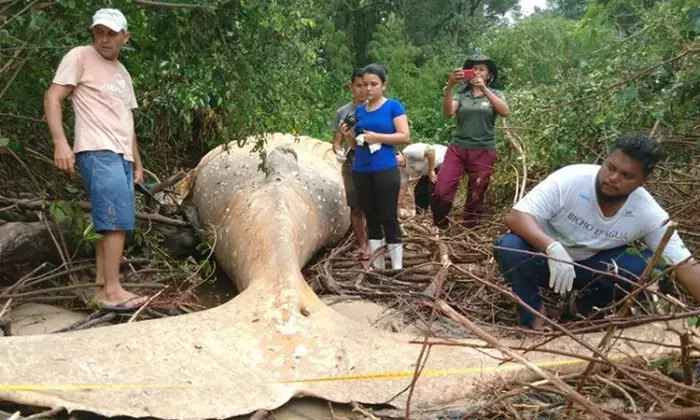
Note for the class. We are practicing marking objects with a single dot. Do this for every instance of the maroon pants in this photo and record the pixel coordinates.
(479, 166)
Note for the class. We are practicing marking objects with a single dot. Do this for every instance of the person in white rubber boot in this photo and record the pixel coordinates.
(382, 124)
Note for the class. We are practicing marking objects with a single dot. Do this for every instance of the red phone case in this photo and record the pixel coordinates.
(468, 74)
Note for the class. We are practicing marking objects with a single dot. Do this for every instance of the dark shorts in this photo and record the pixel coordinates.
(109, 181)
(350, 191)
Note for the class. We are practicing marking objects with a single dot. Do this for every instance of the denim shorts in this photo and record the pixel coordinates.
(109, 181)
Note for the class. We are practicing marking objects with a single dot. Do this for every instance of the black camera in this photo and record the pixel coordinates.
(351, 121)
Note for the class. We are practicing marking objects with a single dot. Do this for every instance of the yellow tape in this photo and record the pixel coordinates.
(360, 377)
(454, 371)
(80, 387)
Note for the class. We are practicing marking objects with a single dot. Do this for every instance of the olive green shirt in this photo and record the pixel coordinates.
(476, 119)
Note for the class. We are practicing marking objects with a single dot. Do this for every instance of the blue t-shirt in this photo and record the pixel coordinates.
(381, 120)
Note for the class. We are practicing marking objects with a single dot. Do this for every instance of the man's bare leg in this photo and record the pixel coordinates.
(112, 293)
(357, 219)
(99, 264)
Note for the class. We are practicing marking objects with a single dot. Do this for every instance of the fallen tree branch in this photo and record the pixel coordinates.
(597, 352)
(43, 204)
(676, 414)
(22, 117)
(151, 299)
(572, 394)
(626, 307)
(76, 286)
(5, 324)
(48, 414)
(425, 349)
(358, 408)
(517, 144)
(168, 182)
(93, 319)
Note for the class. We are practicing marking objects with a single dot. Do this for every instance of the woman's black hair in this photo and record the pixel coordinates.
(357, 73)
(375, 69)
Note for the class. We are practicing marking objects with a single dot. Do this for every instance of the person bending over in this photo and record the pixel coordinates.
(357, 218)
(422, 161)
(382, 124)
(473, 146)
(590, 214)
(104, 148)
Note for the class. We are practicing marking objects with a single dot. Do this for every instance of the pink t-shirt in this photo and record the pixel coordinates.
(103, 97)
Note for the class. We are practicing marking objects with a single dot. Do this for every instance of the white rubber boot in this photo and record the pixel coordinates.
(396, 254)
(375, 244)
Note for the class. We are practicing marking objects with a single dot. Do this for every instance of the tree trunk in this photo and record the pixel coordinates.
(22, 242)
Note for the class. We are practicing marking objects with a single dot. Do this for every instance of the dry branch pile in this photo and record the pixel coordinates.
(457, 265)
(475, 290)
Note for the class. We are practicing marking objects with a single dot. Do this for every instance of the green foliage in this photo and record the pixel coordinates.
(202, 76)
(572, 9)
(575, 76)
(90, 236)
(665, 365)
(12, 145)
(575, 85)
(69, 213)
(694, 322)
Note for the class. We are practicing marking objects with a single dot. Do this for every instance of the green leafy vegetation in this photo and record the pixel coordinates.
(575, 74)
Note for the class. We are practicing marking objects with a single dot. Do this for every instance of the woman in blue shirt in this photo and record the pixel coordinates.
(382, 124)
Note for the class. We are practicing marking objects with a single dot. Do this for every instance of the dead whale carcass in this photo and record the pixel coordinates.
(276, 339)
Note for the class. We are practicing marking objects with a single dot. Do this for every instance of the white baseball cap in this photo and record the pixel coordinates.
(111, 18)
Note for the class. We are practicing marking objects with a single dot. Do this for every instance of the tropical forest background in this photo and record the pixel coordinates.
(575, 74)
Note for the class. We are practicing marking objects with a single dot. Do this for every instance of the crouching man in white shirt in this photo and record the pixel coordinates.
(421, 161)
(589, 214)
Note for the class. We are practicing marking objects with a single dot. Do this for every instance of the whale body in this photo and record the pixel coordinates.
(276, 339)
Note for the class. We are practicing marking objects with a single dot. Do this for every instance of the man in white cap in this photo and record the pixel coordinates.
(104, 147)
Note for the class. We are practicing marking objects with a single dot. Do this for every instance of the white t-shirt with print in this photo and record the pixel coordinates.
(566, 207)
(417, 163)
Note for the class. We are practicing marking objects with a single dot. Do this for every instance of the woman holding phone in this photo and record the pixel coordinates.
(382, 124)
(473, 145)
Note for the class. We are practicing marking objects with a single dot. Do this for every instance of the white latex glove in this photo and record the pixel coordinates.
(374, 147)
(561, 274)
(341, 156)
(360, 139)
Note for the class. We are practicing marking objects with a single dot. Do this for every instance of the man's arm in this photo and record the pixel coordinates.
(429, 154)
(63, 157)
(138, 167)
(525, 226)
(337, 142)
(542, 203)
(688, 274)
(337, 132)
(676, 253)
